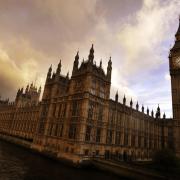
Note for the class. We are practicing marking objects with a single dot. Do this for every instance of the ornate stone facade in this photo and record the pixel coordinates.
(77, 120)
(20, 118)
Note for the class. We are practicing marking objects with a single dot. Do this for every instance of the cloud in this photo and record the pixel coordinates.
(137, 34)
(18, 67)
(142, 40)
(8, 70)
(144, 45)
(167, 77)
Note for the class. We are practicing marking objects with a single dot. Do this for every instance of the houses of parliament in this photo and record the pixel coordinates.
(76, 120)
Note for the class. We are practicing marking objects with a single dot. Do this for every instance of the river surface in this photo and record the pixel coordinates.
(17, 163)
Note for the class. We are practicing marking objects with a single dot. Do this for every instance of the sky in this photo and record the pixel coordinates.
(137, 34)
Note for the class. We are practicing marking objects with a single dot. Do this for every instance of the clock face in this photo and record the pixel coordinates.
(177, 62)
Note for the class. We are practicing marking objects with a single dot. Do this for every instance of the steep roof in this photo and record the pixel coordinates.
(178, 31)
(176, 45)
(94, 68)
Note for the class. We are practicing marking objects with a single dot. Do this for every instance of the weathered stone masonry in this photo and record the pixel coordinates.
(77, 120)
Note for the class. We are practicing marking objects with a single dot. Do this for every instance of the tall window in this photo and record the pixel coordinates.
(109, 137)
(150, 142)
(118, 136)
(93, 87)
(64, 110)
(75, 108)
(88, 133)
(74, 119)
(126, 139)
(145, 142)
(100, 115)
(139, 141)
(72, 131)
(90, 110)
(50, 128)
(78, 85)
(133, 137)
(44, 110)
(102, 90)
(98, 135)
(60, 130)
(55, 129)
(54, 109)
(59, 112)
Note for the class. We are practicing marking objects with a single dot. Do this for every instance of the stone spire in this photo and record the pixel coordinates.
(18, 93)
(178, 31)
(22, 89)
(137, 106)
(124, 100)
(91, 54)
(67, 76)
(109, 69)
(131, 103)
(31, 86)
(152, 113)
(49, 72)
(58, 70)
(39, 91)
(100, 64)
(116, 96)
(142, 108)
(158, 112)
(76, 63)
(164, 116)
(77, 57)
(147, 111)
(27, 89)
(177, 42)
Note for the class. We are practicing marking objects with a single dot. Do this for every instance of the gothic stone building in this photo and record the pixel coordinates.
(20, 118)
(76, 119)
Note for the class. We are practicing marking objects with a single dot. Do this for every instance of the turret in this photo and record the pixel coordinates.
(58, 70)
(178, 32)
(27, 89)
(21, 91)
(137, 106)
(18, 93)
(174, 52)
(116, 97)
(76, 63)
(31, 86)
(100, 65)
(67, 76)
(109, 69)
(49, 73)
(164, 116)
(39, 91)
(158, 112)
(131, 103)
(124, 100)
(147, 111)
(152, 113)
(142, 108)
(91, 54)
(53, 75)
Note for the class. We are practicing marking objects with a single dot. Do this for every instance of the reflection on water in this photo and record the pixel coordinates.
(17, 163)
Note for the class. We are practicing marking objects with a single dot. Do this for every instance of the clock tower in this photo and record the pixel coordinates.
(174, 61)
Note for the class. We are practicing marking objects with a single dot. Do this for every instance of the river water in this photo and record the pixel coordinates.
(17, 163)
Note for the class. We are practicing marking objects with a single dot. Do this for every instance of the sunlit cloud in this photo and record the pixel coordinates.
(136, 34)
